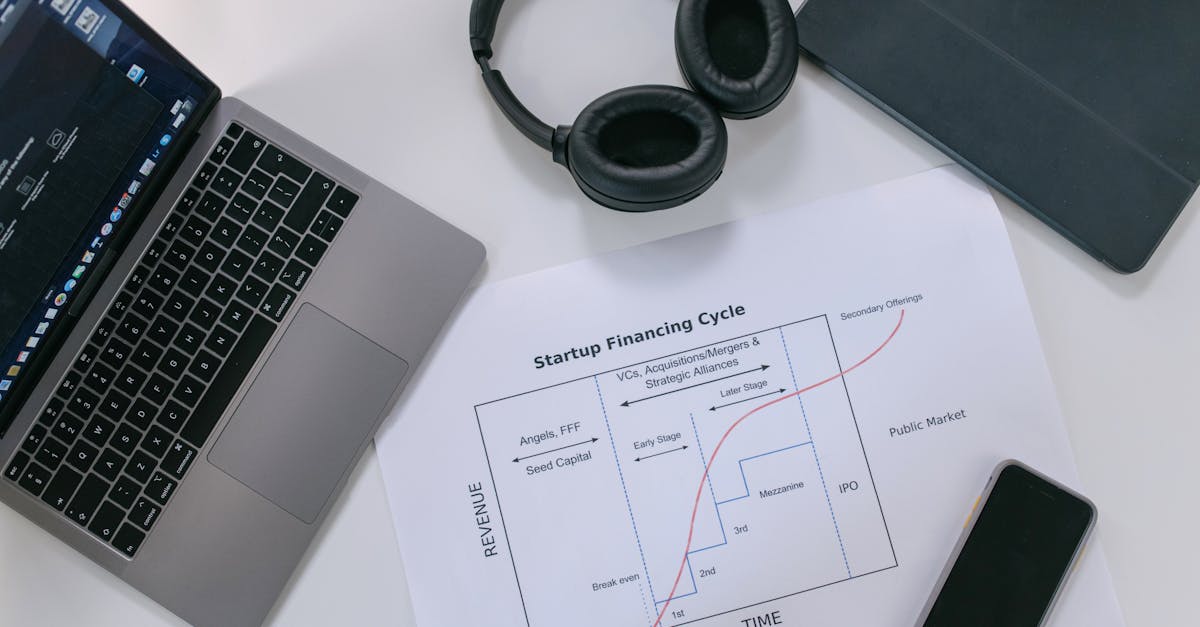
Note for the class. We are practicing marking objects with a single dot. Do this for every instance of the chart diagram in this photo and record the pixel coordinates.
(665, 487)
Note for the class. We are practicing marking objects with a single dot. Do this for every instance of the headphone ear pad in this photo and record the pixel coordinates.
(647, 148)
(741, 55)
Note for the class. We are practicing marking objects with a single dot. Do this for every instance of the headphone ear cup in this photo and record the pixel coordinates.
(741, 55)
(647, 148)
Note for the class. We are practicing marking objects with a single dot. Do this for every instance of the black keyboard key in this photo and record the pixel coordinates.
(277, 302)
(283, 192)
(137, 278)
(241, 208)
(190, 339)
(156, 442)
(173, 416)
(157, 389)
(180, 456)
(131, 380)
(132, 328)
(163, 279)
(82, 456)
(51, 454)
(294, 275)
(107, 519)
(311, 250)
(195, 231)
(170, 226)
(129, 539)
(84, 402)
(187, 202)
(332, 229)
(235, 130)
(34, 479)
(98, 430)
(245, 153)
(114, 405)
(147, 304)
(154, 252)
(189, 390)
(204, 176)
(204, 365)
(86, 355)
(120, 305)
(100, 377)
(342, 201)
(210, 257)
(194, 281)
(66, 429)
(125, 439)
(308, 205)
(16, 467)
(179, 255)
(115, 354)
(87, 499)
(268, 216)
(226, 182)
(205, 314)
(179, 305)
(61, 488)
(173, 363)
(109, 464)
(226, 232)
(226, 383)
(69, 383)
(142, 412)
(252, 291)
(103, 330)
(235, 317)
(211, 206)
(144, 513)
(283, 242)
(124, 492)
(33, 439)
(253, 240)
(222, 150)
(221, 289)
(162, 331)
(50, 413)
(267, 267)
(147, 354)
(257, 183)
(160, 488)
(237, 264)
(221, 340)
(275, 161)
(140, 466)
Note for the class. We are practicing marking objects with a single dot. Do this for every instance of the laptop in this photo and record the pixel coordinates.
(203, 317)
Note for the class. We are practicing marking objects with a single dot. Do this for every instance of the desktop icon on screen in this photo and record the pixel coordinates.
(5, 384)
(166, 139)
(115, 215)
(88, 257)
(22, 357)
(14, 371)
(124, 202)
(41, 328)
(135, 73)
(78, 272)
(71, 283)
(51, 314)
(106, 229)
(60, 300)
(134, 187)
(147, 167)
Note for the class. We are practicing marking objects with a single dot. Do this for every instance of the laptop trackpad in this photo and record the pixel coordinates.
(307, 413)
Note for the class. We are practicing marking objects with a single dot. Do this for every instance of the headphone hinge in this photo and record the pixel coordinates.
(558, 145)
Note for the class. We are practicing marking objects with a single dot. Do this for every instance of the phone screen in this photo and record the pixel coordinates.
(1016, 555)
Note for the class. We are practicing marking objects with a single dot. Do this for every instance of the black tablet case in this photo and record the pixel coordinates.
(1085, 112)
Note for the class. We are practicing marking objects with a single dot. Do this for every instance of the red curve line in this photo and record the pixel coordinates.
(717, 449)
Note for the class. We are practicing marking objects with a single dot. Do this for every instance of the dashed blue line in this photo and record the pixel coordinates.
(816, 457)
(645, 606)
(621, 475)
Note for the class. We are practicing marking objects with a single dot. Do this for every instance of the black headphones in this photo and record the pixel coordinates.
(655, 146)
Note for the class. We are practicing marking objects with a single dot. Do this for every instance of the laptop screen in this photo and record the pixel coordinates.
(92, 107)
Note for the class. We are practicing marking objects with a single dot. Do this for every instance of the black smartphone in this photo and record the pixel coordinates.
(1020, 542)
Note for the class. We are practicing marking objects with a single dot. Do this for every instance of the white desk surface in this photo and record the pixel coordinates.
(390, 87)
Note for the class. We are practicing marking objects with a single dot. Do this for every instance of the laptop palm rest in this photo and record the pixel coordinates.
(308, 413)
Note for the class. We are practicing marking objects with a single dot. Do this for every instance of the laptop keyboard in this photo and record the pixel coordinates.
(127, 420)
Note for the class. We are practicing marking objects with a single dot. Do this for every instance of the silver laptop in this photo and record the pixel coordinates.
(203, 317)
